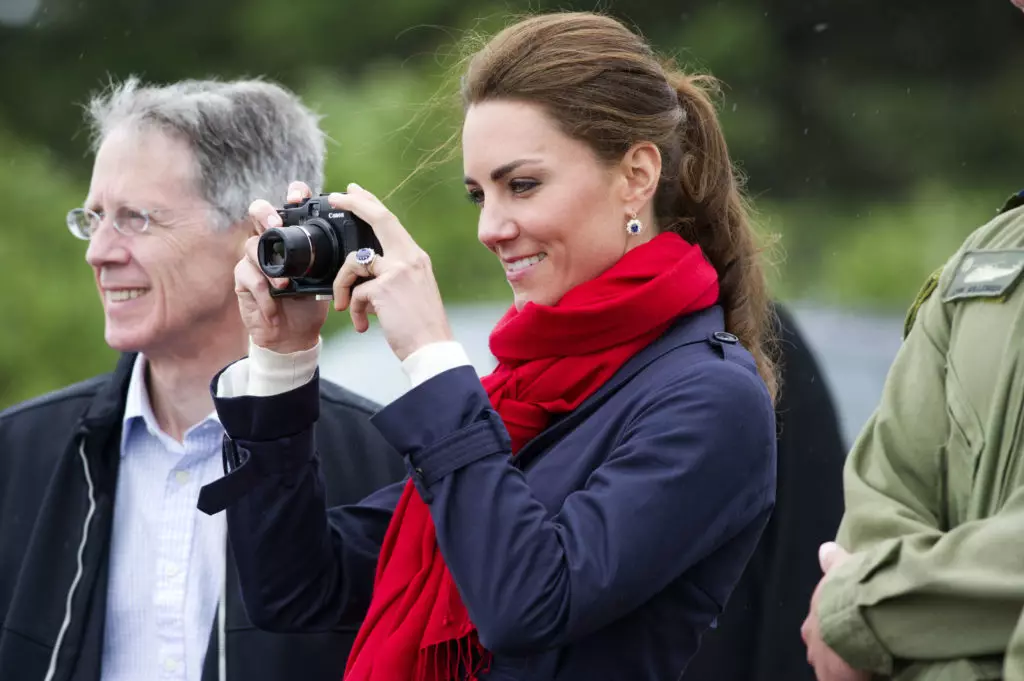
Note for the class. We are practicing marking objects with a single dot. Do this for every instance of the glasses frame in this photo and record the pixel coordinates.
(96, 217)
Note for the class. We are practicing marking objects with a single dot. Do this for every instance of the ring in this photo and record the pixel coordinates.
(365, 257)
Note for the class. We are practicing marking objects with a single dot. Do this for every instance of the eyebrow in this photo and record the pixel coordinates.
(503, 170)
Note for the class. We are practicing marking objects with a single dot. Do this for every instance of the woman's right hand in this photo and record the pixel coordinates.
(286, 324)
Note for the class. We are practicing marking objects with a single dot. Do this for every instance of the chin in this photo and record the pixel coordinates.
(124, 340)
(546, 298)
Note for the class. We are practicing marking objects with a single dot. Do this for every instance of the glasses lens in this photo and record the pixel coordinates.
(128, 220)
(81, 223)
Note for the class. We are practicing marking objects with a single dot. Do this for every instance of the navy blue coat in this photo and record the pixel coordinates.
(602, 550)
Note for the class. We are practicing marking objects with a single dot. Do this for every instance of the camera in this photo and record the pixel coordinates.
(311, 245)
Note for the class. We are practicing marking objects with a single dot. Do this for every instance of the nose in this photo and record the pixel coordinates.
(495, 227)
(107, 246)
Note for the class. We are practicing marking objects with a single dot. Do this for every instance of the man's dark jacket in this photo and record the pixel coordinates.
(758, 635)
(58, 471)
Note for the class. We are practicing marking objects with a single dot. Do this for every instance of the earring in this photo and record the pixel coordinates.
(634, 226)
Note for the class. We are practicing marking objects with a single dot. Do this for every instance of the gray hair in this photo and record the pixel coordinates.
(250, 138)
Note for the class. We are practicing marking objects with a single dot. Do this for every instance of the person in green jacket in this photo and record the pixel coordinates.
(926, 578)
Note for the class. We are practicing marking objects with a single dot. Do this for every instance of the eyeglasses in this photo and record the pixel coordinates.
(83, 222)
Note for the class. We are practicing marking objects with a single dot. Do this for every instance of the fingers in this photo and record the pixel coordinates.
(251, 254)
(250, 281)
(298, 191)
(263, 215)
(350, 272)
(392, 235)
(830, 554)
(361, 308)
(358, 299)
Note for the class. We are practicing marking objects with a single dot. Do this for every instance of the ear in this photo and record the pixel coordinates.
(641, 171)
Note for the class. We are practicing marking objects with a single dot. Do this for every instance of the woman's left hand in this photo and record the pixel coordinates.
(402, 292)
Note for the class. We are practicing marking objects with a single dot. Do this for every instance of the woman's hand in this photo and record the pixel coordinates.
(402, 292)
(286, 324)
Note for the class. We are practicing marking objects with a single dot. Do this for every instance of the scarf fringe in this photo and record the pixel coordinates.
(461, 659)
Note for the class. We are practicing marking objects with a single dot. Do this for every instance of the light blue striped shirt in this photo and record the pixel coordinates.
(166, 558)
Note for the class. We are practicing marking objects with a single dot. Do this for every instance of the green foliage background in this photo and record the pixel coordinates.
(875, 136)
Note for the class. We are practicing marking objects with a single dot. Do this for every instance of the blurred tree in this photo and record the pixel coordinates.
(875, 135)
(856, 98)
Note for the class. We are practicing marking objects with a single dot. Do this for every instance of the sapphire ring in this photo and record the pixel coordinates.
(365, 257)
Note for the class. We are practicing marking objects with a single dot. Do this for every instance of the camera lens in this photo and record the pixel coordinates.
(285, 252)
(276, 256)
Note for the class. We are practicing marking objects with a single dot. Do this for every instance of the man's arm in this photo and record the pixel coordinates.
(914, 589)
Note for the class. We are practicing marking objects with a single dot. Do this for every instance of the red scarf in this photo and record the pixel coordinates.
(550, 359)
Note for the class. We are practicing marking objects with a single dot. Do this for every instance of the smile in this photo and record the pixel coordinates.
(523, 263)
(121, 295)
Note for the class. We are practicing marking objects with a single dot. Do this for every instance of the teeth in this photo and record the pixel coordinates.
(125, 294)
(523, 263)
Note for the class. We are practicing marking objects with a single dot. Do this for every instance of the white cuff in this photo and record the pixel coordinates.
(265, 372)
(434, 359)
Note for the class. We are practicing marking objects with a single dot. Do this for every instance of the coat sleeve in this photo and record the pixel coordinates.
(301, 567)
(915, 590)
(697, 464)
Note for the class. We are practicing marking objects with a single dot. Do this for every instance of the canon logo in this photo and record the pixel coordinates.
(335, 215)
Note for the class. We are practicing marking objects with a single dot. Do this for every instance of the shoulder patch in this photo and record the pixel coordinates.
(985, 274)
(922, 295)
(1015, 201)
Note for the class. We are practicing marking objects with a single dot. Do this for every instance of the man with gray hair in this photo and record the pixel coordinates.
(107, 570)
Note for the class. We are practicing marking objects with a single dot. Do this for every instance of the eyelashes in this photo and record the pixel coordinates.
(518, 187)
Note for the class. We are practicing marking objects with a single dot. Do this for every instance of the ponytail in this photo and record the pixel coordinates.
(701, 199)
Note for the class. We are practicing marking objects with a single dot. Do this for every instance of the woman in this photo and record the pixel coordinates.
(585, 510)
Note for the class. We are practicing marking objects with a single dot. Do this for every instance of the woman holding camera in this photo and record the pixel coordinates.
(584, 511)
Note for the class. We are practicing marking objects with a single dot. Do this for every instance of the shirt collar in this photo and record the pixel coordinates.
(137, 406)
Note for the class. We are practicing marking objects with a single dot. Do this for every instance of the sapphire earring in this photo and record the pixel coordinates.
(634, 226)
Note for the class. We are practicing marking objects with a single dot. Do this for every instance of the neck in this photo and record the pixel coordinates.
(178, 378)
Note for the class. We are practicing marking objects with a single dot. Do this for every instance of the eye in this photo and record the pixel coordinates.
(475, 196)
(129, 218)
(521, 186)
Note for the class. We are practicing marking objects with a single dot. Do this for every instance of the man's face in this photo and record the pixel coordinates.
(165, 289)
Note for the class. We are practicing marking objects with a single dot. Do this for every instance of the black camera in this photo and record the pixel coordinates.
(311, 245)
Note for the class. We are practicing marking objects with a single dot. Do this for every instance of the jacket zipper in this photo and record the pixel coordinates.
(222, 644)
(52, 671)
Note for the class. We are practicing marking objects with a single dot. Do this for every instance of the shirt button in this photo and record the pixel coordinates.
(172, 571)
(181, 476)
(170, 664)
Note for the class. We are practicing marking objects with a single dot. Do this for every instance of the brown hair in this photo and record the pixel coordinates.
(604, 86)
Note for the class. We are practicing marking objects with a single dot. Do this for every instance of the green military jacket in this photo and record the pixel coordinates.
(934, 485)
